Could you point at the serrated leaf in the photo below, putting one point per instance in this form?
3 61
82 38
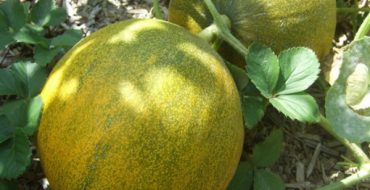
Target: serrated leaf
15 12
68 39
268 152
16 112
44 56
31 75
33 115
30 35
239 75
4 27
266 180
57 16
263 68
299 69
253 110
8 83
300 106
15 155
345 121
243 178
40 13
6 130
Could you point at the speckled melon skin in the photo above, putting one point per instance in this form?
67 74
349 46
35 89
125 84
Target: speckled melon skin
280 24
140 104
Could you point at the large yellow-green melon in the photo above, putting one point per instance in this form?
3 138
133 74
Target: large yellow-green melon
140 104
280 24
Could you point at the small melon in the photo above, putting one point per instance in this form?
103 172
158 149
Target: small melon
280 24
140 104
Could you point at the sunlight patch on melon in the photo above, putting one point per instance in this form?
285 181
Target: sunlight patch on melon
57 76
131 32
68 89
132 96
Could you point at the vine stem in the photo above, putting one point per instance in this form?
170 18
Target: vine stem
157 10
364 28
352 10
359 176
356 151
223 24
364 162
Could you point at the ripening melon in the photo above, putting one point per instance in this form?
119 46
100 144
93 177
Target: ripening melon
280 24
140 104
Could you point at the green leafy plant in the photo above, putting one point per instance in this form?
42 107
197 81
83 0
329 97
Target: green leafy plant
30 26
253 172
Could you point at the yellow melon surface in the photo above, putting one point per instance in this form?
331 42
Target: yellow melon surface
140 104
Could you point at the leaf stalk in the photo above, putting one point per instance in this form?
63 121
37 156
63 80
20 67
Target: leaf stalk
364 28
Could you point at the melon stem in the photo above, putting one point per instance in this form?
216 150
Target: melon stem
157 10
223 28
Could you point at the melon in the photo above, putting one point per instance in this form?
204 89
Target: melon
279 24
140 104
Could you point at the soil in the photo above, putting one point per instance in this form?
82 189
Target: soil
311 156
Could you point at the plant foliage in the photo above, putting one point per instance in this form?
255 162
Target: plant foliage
23 24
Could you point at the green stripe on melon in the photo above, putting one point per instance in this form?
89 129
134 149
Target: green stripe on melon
140 104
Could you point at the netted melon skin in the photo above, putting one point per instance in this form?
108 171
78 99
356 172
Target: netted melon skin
140 104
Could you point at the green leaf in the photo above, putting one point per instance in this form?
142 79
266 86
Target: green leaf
15 12
23 114
300 106
33 115
8 83
240 76
4 27
15 155
299 70
263 68
40 13
44 56
5 39
57 16
345 121
268 152
31 75
6 130
31 35
16 112
266 180
68 39
243 178
253 110
8 185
